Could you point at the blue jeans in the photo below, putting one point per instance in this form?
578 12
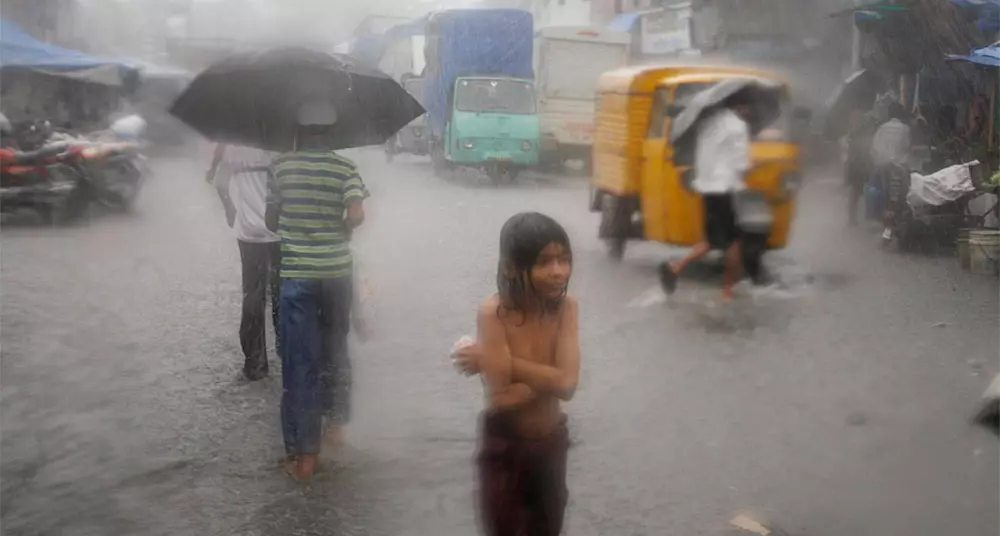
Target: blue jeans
316 372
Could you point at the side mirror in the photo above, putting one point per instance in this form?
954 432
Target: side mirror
674 110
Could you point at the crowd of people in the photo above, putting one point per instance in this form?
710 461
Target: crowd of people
294 215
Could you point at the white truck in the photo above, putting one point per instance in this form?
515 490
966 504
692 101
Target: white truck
568 62
403 57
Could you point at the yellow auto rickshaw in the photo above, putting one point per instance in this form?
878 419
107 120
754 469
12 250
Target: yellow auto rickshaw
642 180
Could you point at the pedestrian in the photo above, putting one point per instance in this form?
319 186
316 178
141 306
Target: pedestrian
241 177
858 168
722 158
890 153
320 203
528 354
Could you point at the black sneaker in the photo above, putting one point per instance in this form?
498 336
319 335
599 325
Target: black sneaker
668 279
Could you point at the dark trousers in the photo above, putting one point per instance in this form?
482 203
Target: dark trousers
856 173
316 368
522 481
260 265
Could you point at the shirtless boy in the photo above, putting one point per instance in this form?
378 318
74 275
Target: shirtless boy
528 355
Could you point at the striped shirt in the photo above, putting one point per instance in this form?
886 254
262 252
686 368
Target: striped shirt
315 188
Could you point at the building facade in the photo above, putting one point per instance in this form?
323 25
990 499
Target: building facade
562 13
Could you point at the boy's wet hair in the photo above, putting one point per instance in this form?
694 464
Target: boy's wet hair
522 239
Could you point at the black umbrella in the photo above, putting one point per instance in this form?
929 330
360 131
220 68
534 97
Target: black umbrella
858 92
255 98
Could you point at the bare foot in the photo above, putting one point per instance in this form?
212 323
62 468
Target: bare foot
301 468
727 295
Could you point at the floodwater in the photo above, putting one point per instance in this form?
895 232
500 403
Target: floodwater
834 403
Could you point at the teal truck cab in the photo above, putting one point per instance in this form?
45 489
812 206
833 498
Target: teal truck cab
479 93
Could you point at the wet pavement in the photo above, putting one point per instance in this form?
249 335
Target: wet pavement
835 404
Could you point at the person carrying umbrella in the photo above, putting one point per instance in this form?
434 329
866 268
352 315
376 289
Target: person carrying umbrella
320 196
305 104
722 158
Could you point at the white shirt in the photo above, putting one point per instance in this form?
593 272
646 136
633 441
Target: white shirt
248 191
891 143
722 156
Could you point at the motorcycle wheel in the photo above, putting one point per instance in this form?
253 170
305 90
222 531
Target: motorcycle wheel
73 208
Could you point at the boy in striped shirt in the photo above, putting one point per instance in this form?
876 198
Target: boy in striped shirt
320 195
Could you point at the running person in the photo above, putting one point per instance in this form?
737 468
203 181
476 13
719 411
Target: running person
722 158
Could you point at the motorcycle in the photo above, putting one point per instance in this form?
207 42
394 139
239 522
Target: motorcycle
47 180
117 171
66 173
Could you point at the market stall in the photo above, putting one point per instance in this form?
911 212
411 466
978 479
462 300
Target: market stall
45 81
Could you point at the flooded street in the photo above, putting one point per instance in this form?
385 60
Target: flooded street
837 405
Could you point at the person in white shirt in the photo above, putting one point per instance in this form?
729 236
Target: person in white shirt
890 154
891 144
241 177
722 158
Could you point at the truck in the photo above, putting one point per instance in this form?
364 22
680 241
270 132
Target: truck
568 62
479 91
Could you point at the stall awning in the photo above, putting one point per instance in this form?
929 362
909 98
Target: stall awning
624 22
20 50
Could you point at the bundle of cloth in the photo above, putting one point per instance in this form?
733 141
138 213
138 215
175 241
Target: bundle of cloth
940 187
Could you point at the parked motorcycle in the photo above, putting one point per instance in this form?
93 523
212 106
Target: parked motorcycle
48 180
117 171
67 173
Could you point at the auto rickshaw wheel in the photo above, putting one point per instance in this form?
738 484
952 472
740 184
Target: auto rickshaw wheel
614 225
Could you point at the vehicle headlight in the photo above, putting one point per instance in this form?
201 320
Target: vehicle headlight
526 145
468 144
791 181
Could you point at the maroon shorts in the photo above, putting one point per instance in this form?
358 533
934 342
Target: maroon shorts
522 480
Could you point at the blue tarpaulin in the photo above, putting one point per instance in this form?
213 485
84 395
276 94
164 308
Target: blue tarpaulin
988 12
18 49
624 22
984 56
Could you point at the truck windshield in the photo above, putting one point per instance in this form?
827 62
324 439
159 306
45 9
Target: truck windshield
498 96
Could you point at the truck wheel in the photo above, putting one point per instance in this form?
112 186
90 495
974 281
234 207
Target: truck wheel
612 230
440 163
512 174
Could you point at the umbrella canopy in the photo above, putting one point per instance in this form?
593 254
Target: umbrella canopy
255 99
764 97
858 92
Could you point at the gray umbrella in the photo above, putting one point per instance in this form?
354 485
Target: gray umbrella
764 98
